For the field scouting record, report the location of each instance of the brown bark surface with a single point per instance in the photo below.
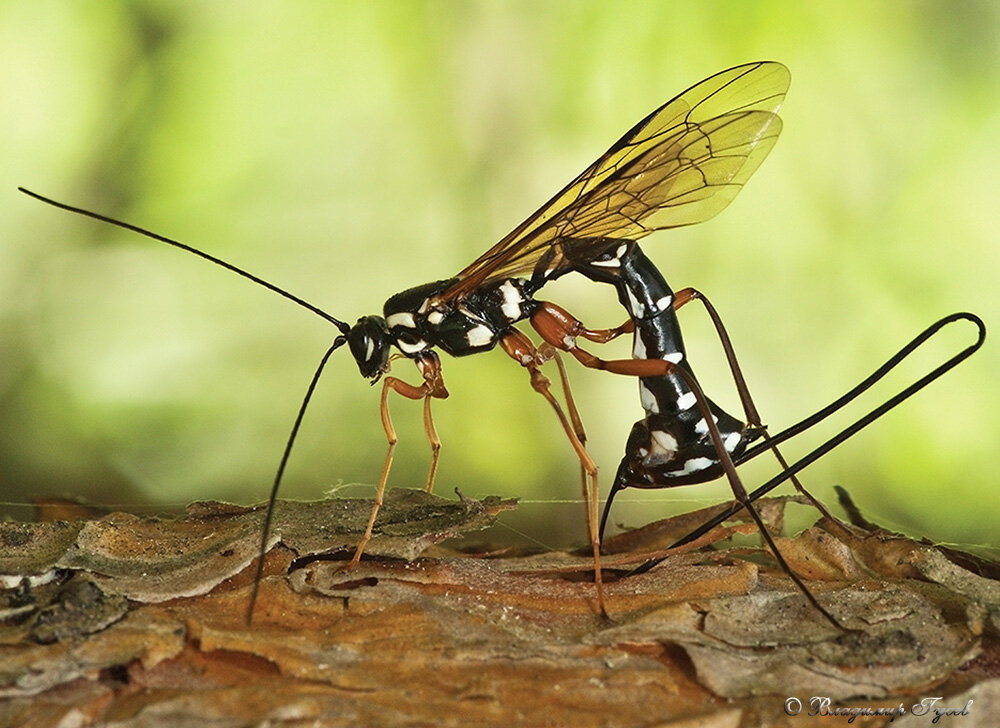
(127, 621)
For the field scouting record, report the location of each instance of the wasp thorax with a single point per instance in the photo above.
(369, 341)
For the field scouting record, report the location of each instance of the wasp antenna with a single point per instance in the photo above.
(344, 328)
(272, 499)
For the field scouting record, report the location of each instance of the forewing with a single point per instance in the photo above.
(680, 165)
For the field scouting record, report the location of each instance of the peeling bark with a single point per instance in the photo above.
(128, 621)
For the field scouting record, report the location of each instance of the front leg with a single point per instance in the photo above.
(430, 367)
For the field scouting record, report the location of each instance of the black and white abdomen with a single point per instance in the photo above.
(417, 320)
(671, 445)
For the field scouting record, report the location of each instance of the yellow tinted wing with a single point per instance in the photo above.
(680, 165)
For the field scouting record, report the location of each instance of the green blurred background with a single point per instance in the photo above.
(346, 151)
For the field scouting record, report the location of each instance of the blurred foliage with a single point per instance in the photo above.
(346, 151)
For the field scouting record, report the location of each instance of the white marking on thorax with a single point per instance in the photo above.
(370, 349)
(403, 318)
(621, 250)
(408, 348)
(569, 341)
(686, 401)
(512, 299)
(435, 317)
(510, 293)
(479, 335)
(674, 357)
(663, 303)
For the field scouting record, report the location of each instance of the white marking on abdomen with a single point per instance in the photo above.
(692, 466)
(663, 303)
(638, 348)
(649, 402)
(612, 263)
(732, 441)
(686, 401)
(696, 464)
(635, 306)
(663, 443)
(701, 427)
(673, 357)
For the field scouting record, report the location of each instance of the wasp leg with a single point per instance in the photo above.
(430, 367)
(549, 352)
(600, 336)
(519, 347)
(603, 336)
(562, 328)
(750, 410)
(550, 323)
(434, 440)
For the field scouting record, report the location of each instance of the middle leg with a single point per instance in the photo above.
(520, 348)
(550, 322)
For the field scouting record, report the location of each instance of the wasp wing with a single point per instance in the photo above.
(680, 165)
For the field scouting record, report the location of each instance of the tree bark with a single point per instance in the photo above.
(128, 621)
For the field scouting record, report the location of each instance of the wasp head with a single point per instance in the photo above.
(370, 341)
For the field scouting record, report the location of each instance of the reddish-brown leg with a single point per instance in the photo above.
(687, 295)
(550, 353)
(434, 440)
(559, 328)
(433, 386)
(519, 347)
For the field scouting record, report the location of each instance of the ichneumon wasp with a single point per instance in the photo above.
(680, 165)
